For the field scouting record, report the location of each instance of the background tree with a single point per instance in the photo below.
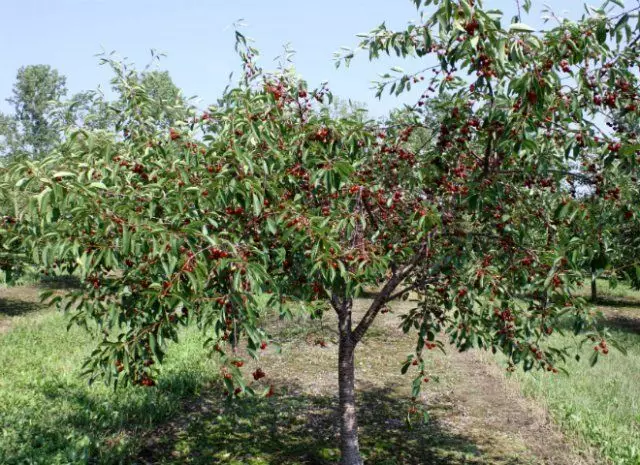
(166, 100)
(36, 97)
(10, 142)
(165, 104)
(262, 203)
(345, 108)
(13, 259)
(90, 110)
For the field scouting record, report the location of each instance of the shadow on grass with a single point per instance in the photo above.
(25, 299)
(607, 301)
(621, 314)
(617, 322)
(17, 307)
(623, 323)
(59, 282)
(73, 423)
(174, 424)
(291, 428)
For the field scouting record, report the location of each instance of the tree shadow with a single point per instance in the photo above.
(75, 423)
(292, 428)
(63, 282)
(17, 307)
(614, 321)
(623, 323)
(24, 300)
(617, 302)
(621, 314)
(174, 424)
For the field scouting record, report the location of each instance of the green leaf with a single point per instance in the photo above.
(520, 27)
(630, 149)
(618, 347)
(272, 226)
(63, 174)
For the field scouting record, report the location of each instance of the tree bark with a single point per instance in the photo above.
(349, 445)
(594, 286)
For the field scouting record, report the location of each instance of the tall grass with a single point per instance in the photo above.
(599, 405)
(48, 413)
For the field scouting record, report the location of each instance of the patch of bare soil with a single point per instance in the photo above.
(21, 300)
(624, 317)
(16, 301)
(489, 409)
(488, 401)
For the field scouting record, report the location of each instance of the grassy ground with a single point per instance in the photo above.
(621, 293)
(600, 405)
(49, 415)
(474, 418)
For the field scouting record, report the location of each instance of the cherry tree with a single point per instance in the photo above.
(267, 201)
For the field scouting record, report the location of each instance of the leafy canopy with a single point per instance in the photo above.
(266, 200)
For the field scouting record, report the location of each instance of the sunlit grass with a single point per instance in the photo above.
(599, 405)
(49, 414)
(608, 291)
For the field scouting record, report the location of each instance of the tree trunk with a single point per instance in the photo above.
(594, 287)
(349, 446)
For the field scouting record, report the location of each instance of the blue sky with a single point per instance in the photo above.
(197, 37)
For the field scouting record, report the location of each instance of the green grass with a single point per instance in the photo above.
(49, 414)
(301, 429)
(599, 405)
(608, 292)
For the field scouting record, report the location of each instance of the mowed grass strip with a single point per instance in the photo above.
(599, 405)
(50, 415)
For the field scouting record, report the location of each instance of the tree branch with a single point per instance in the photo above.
(410, 288)
(383, 295)
(336, 304)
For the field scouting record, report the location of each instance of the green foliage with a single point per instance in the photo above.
(267, 200)
(36, 98)
(91, 111)
(9, 135)
(168, 106)
(12, 252)
(262, 196)
(164, 103)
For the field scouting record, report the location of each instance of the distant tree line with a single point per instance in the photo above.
(42, 112)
